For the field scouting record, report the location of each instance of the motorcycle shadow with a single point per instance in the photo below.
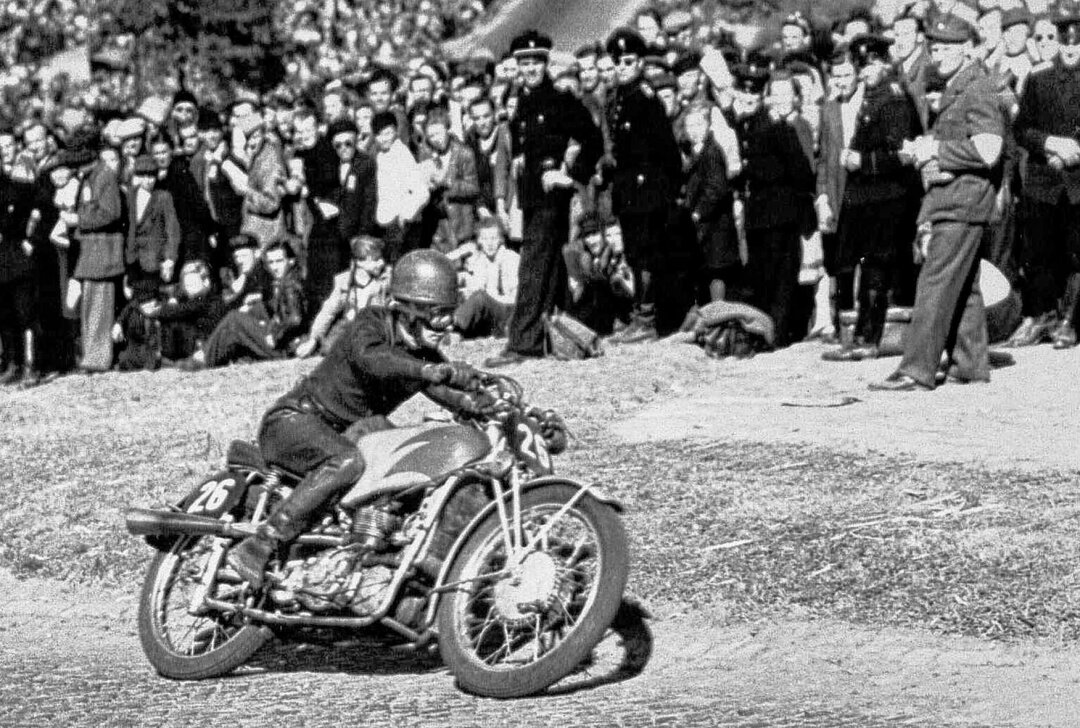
(341, 652)
(621, 655)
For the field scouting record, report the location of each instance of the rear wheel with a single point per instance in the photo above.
(181, 640)
(516, 625)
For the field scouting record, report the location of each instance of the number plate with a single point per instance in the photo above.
(215, 496)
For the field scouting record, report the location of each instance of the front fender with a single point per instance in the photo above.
(591, 491)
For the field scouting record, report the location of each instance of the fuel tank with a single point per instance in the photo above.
(403, 457)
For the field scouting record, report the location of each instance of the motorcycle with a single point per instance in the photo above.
(457, 533)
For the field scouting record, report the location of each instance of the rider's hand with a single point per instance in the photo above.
(458, 375)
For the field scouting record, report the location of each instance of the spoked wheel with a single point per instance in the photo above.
(181, 640)
(520, 622)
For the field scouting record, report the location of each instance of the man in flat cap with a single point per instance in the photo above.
(876, 223)
(960, 164)
(645, 172)
(554, 144)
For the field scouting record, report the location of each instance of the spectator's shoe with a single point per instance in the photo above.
(642, 333)
(30, 379)
(1065, 335)
(1032, 330)
(844, 353)
(11, 375)
(191, 364)
(507, 358)
(897, 382)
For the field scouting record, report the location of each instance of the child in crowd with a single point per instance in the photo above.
(364, 284)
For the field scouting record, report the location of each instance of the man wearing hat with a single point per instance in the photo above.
(960, 164)
(1048, 126)
(645, 173)
(776, 186)
(100, 220)
(1016, 62)
(876, 223)
(153, 232)
(554, 144)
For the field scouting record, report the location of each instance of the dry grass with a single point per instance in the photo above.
(754, 527)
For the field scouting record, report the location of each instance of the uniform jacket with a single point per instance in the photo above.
(1050, 106)
(648, 167)
(777, 178)
(16, 199)
(969, 106)
(886, 119)
(102, 228)
(155, 237)
(461, 189)
(358, 198)
(541, 130)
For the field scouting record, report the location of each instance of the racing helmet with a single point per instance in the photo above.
(424, 277)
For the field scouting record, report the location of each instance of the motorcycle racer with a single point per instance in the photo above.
(385, 357)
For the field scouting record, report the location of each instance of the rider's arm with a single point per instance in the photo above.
(453, 399)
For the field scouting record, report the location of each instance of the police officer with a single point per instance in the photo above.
(876, 224)
(383, 358)
(1048, 127)
(645, 172)
(960, 164)
(554, 144)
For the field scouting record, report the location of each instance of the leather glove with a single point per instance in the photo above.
(457, 375)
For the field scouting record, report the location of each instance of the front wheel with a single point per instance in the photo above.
(518, 624)
(181, 640)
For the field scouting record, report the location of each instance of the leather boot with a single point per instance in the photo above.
(1032, 330)
(291, 517)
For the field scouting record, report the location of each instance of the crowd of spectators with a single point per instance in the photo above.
(192, 234)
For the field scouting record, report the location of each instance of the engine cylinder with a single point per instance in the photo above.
(372, 525)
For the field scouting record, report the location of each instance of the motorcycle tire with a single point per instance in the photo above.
(218, 644)
(508, 637)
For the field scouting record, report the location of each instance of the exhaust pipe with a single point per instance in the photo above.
(148, 522)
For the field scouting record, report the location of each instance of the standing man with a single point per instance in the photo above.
(554, 144)
(645, 171)
(960, 164)
(875, 228)
(1048, 127)
(909, 52)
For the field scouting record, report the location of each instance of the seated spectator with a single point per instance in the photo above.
(248, 283)
(490, 283)
(260, 332)
(187, 319)
(364, 284)
(600, 281)
(136, 335)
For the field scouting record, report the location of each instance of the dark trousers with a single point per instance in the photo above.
(948, 314)
(775, 256)
(300, 441)
(1050, 251)
(541, 276)
(482, 315)
(237, 336)
(18, 313)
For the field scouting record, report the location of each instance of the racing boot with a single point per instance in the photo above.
(292, 516)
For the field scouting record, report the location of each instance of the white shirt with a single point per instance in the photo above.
(498, 276)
